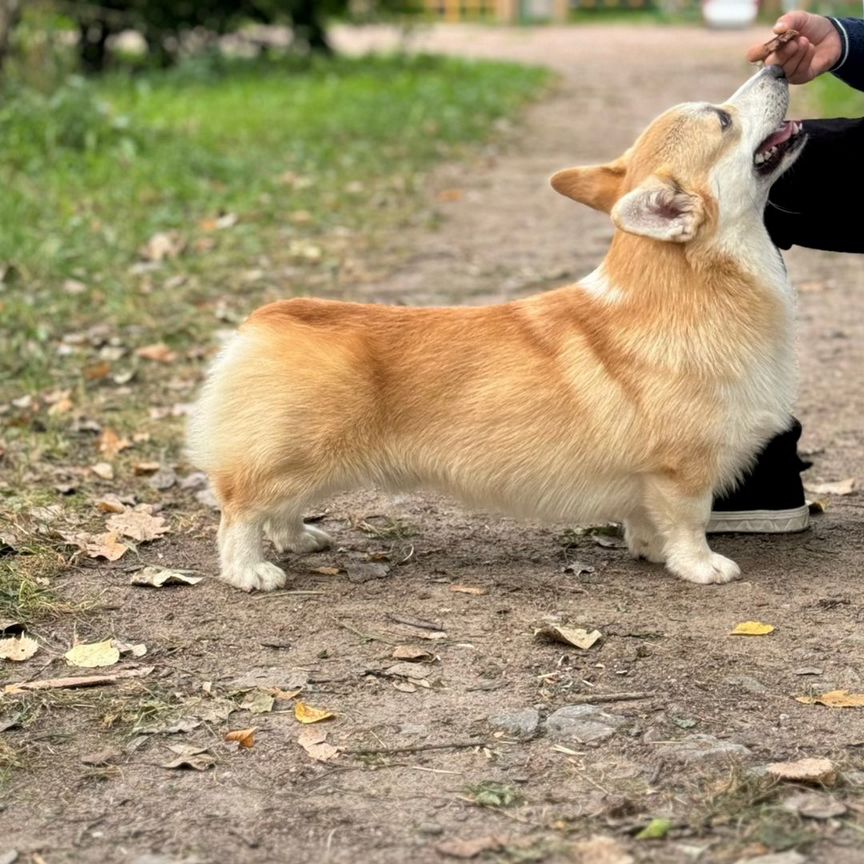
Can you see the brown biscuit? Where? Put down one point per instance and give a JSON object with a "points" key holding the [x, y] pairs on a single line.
{"points": [[777, 42]]}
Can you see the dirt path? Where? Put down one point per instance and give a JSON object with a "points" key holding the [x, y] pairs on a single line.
{"points": [[503, 233]]}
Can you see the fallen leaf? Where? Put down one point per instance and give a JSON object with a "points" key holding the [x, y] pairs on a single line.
{"points": [[450, 195], [258, 702], [600, 850], [284, 695], [364, 571], [314, 742], [326, 571], [18, 648], [839, 487], [105, 545], [199, 762], [656, 829], [244, 737], [138, 525], [409, 670], [467, 589], [575, 636], [158, 353], [110, 443], [431, 635], [805, 771], [144, 468], [815, 805], [162, 245], [110, 504], [752, 628], [411, 654], [307, 714], [404, 686], [103, 471], [90, 655], [156, 577], [466, 849], [835, 699], [137, 650], [489, 793], [97, 371], [101, 757]]}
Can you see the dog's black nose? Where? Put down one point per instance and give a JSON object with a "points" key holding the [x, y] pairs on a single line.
{"points": [[775, 71]]}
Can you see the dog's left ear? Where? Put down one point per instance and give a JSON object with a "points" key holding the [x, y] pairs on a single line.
{"points": [[598, 186], [660, 209]]}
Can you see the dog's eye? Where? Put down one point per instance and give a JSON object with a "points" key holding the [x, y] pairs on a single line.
{"points": [[725, 120]]}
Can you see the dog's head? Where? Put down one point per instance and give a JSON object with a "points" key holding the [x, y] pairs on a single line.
{"points": [[697, 167]]}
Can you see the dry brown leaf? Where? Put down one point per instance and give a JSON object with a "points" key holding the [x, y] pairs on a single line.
{"points": [[835, 699], [158, 353], [326, 571], [284, 695], [307, 714], [156, 577], [244, 737], [258, 702], [144, 468], [103, 471], [752, 628], [196, 762], [97, 371], [575, 636], [466, 849], [105, 545], [163, 245], [805, 771], [110, 504], [18, 648], [411, 654], [93, 654], [138, 525], [61, 406], [838, 487], [314, 742], [110, 443], [404, 686], [467, 589]]}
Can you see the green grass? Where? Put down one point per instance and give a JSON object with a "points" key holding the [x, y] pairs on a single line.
{"points": [[836, 99], [299, 154]]}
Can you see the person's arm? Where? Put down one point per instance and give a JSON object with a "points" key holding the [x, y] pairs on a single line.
{"points": [[850, 66]]}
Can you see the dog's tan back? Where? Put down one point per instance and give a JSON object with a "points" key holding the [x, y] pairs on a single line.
{"points": [[631, 395]]}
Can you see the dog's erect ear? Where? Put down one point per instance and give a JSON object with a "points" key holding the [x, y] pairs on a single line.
{"points": [[598, 186], [660, 209]]}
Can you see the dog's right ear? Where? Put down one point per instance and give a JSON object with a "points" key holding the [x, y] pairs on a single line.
{"points": [[598, 186]]}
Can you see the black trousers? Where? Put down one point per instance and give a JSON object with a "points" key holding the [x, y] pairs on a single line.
{"points": [[815, 203]]}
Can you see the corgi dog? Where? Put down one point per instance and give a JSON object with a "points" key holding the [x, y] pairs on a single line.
{"points": [[632, 395]]}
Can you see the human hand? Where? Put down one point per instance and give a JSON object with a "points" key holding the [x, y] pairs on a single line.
{"points": [[815, 50]]}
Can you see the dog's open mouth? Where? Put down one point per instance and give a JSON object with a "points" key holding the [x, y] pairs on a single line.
{"points": [[771, 151]]}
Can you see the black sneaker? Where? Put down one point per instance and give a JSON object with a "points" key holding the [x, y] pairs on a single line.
{"points": [[770, 499]]}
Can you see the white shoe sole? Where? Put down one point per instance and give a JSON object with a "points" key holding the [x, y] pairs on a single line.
{"points": [[759, 521]]}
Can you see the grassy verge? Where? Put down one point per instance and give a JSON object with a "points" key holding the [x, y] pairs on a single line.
{"points": [[836, 99]]}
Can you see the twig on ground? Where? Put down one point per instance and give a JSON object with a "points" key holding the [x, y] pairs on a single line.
{"points": [[81, 681], [591, 698], [369, 637], [416, 622], [415, 748], [272, 595]]}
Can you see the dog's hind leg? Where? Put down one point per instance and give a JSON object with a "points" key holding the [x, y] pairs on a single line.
{"points": [[643, 539], [288, 532], [681, 517]]}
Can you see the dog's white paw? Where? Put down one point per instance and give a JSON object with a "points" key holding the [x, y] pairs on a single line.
{"points": [[310, 539], [263, 576], [715, 569]]}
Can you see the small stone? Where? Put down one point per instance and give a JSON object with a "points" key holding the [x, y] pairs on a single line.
{"points": [[702, 748], [582, 724], [9, 857], [430, 829], [520, 723]]}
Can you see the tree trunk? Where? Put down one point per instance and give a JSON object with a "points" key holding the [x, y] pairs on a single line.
{"points": [[92, 42], [308, 26]]}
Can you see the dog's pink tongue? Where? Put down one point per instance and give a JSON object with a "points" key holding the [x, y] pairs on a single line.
{"points": [[784, 133]]}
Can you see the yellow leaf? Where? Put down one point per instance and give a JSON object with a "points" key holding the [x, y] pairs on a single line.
{"points": [[93, 654], [752, 628], [307, 714], [835, 699], [244, 737], [18, 648]]}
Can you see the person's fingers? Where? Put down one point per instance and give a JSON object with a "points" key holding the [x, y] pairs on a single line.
{"points": [[791, 21], [778, 57], [798, 70]]}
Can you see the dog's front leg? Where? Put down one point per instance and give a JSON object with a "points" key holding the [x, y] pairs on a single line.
{"points": [[643, 539], [681, 517]]}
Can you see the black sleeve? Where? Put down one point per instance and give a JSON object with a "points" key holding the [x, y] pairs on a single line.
{"points": [[850, 66]]}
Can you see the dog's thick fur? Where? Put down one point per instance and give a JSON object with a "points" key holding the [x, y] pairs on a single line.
{"points": [[632, 395]]}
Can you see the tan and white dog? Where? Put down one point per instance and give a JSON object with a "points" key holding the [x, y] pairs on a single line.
{"points": [[631, 395]]}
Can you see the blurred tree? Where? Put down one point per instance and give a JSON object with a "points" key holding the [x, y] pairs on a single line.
{"points": [[10, 14], [163, 22]]}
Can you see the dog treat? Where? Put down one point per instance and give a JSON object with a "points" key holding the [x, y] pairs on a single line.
{"points": [[777, 42]]}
